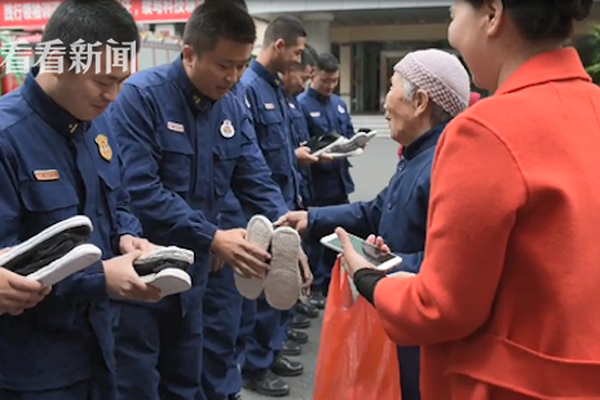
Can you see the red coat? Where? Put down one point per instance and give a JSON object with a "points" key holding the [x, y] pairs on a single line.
{"points": [[507, 303]]}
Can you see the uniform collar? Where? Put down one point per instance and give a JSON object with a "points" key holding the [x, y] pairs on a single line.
{"points": [[314, 94], [425, 141], [557, 65], [196, 99], [57, 117], [264, 73]]}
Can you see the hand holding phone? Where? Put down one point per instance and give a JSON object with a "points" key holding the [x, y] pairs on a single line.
{"points": [[382, 260]]}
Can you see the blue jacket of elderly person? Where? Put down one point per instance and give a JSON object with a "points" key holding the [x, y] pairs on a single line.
{"points": [[428, 88]]}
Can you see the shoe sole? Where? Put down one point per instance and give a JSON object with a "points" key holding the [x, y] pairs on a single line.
{"points": [[260, 232], [79, 221], [283, 282], [169, 281], [169, 253], [337, 142], [74, 261]]}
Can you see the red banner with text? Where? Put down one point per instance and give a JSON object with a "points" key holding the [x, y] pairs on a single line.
{"points": [[35, 14]]}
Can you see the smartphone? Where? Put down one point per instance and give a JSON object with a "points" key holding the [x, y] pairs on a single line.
{"points": [[382, 260]]}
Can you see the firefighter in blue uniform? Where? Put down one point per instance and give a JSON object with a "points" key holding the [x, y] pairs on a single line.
{"points": [[59, 159], [225, 317], [294, 82], [187, 142], [283, 44], [331, 182]]}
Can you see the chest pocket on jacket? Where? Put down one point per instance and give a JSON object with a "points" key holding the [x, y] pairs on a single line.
{"points": [[299, 127], [272, 141], [110, 186], [175, 166], [225, 158], [49, 202], [343, 120]]}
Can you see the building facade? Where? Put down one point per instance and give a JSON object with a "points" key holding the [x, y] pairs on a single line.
{"points": [[370, 37]]}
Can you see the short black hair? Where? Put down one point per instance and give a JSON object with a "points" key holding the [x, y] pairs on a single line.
{"points": [[543, 20], [313, 53], [307, 60], [239, 3], [213, 21], [288, 28], [93, 21], [328, 63]]}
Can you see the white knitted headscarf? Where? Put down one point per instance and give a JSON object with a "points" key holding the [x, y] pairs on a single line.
{"points": [[441, 75]]}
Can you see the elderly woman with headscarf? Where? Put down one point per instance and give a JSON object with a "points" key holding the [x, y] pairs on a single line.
{"points": [[428, 88], [506, 305]]}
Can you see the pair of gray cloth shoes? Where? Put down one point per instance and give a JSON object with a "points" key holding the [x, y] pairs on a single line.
{"points": [[282, 284]]}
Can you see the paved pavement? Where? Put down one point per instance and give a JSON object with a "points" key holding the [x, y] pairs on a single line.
{"points": [[372, 171]]}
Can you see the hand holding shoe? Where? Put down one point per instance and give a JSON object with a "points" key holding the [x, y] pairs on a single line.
{"points": [[122, 282], [18, 293], [297, 220], [245, 258]]}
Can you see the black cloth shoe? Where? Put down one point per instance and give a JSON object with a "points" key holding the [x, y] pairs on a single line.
{"points": [[291, 349], [267, 383], [317, 300], [283, 366], [307, 309], [237, 396], [297, 336], [300, 322]]}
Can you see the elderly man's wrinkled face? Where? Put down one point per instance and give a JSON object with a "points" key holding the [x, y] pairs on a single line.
{"points": [[400, 112]]}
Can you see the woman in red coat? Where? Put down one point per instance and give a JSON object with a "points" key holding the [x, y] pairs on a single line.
{"points": [[507, 303]]}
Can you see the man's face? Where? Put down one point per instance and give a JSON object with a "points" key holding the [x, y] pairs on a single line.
{"points": [[289, 54], [215, 72], [295, 80], [325, 82], [86, 94]]}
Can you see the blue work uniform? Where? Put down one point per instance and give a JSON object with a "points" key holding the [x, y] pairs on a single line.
{"points": [[53, 167], [272, 121], [399, 216], [300, 134], [184, 152], [331, 182], [223, 311]]}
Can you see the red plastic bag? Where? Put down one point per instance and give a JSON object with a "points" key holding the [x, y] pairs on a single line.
{"points": [[357, 361]]}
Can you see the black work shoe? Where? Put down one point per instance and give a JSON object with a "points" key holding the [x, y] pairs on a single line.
{"points": [[318, 300], [297, 336], [307, 309], [291, 349], [300, 322], [285, 367], [237, 396], [267, 384]]}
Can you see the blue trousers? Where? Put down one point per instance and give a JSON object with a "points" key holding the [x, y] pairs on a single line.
{"points": [[222, 314], [99, 387], [266, 339], [159, 350], [409, 359]]}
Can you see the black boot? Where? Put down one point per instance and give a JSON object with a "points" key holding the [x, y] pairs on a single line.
{"points": [[267, 383], [307, 309], [291, 348], [300, 322], [297, 336], [283, 366]]}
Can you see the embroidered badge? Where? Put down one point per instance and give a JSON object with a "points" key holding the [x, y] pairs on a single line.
{"points": [[175, 127], [315, 114], [104, 147], [46, 174], [227, 129], [269, 106], [341, 109]]}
